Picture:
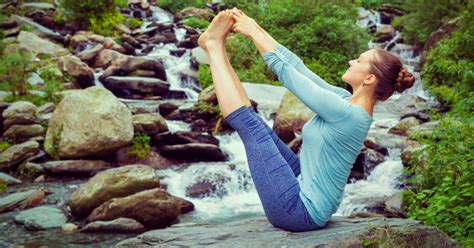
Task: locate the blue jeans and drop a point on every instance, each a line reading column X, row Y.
column 274, row 168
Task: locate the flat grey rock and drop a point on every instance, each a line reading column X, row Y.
column 258, row 232
column 42, row 217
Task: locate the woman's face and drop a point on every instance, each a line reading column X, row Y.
column 358, row 70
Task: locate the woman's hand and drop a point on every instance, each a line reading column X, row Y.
column 244, row 24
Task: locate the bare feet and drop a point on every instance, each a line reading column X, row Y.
column 244, row 24
column 217, row 31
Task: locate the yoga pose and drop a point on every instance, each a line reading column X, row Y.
column 301, row 194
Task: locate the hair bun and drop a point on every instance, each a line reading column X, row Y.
column 404, row 81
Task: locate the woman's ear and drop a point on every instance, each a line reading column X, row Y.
column 370, row 79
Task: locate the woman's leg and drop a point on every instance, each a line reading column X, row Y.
column 291, row 158
column 274, row 179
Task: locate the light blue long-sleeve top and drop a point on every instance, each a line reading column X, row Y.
column 332, row 139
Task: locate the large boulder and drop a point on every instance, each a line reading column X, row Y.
column 154, row 208
column 117, row 182
column 141, row 85
column 404, row 125
column 87, row 123
column 340, row 232
column 107, row 57
column 37, row 45
column 290, row 118
column 74, row 67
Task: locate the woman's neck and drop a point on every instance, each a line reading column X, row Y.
column 364, row 99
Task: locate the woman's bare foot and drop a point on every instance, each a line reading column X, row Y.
column 217, row 30
column 244, row 24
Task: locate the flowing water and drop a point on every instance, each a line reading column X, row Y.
column 235, row 195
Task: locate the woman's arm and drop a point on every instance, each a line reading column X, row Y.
column 266, row 43
column 327, row 104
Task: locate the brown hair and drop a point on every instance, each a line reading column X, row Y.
column 390, row 73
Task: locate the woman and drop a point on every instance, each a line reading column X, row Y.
column 301, row 194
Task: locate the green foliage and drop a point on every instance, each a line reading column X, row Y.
column 204, row 75
column 318, row 35
column 122, row 3
column 196, row 22
column 52, row 83
column 100, row 16
column 449, row 69
column 418, row 23
column 14, row 70
column 4, row 144
column 442, row 187
column 51, row 144
column 27, row 173
column 134, row 22
column 140, row 146
column 176, row 6
column 3, row 186
column 207, row 108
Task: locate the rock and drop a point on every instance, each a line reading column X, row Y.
column 111, row 183
column 177, row 52
column 38, row 6
column 154, row 159
column 7, row 24
column 142, row 85
column 409, row 149
column 20, row 112
column 105, row 125
column 423, row 115
column 385, row 30
column 148, row 31
column 110, row 43
column 374, row 146
column 150, row 124
column 208, row 185
column 38, row 29
column 186, row 206
column 444, row 31
column 188, row 43
column 74, row 67
column 184, row 137
column 373, row 158
column 163, row 37
column 290, row 118
column 11, row 32
column 166, row 108
column 46, row 108
column 9, row 180
column 69, row 227
column 107, row 57
column 208, row 95
column 75, row 167
column 142, row 73
column 119, row 225
column 18, row 153
column 394, row 206
column 200, row 56
column 194, row 151
column 21, row 200
column 39, row 179
column 123, row 28
column 35, row 79
column 132, row 41
column 205, row 14
column 422, row 129
column 340, row 232
column 24, row 132
column 404, row 125
column 90, row 54
column 39, row 218
column 37, row 45
column 154, row 208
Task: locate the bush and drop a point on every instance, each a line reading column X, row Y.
column 14, row 70
column 418, row 23
column 4, row 144
column 140, row 146
column 175, row 6
column 134, row 22
column 100, row 16
column 441, row 188
column 204, row 76
column 196, row 22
